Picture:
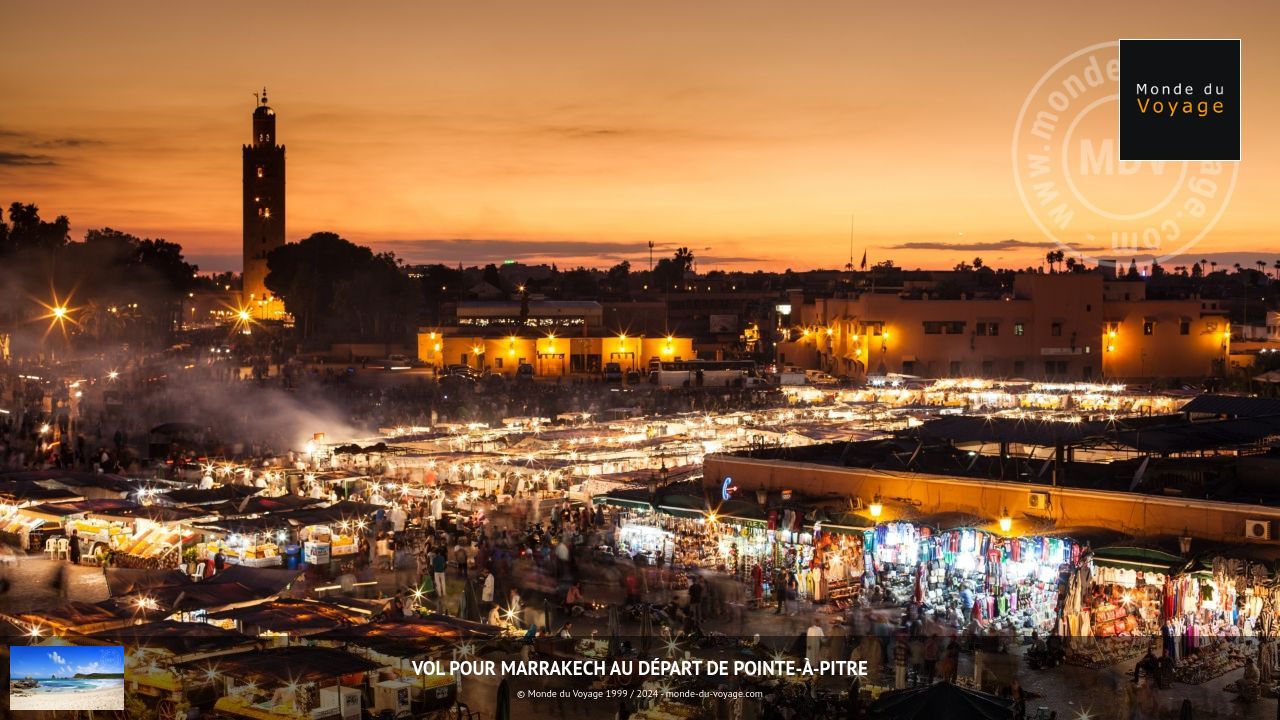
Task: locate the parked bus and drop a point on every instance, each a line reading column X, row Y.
column 705, row 373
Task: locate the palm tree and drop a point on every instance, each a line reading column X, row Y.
column 1262, row 266
column 1277, row 267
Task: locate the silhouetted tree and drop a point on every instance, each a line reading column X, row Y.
column 337, row 289
column 669, row 273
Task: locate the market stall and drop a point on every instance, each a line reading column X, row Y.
column 396, row 643
column 158, row 535
column 293, row 682
column 969, row 574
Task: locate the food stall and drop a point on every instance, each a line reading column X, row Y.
column 24, row 531
column 97, row 533
column 251, row 550
column 326, row 543
column 158, row 534
column 155, row 649
column 393, row 645
column 289, row 682
column 252, row 542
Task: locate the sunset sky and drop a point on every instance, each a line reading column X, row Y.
column 579, row 131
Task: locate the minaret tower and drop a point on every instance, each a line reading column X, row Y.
column 263, row 210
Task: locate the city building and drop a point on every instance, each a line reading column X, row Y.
column 1202, row 472
column 264, row 211
column 549, row 354
column 1059, row 326
column 555, row 337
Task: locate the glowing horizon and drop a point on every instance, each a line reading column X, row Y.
column 577, row 133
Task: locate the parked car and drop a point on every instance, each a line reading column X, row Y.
column 524, row 373
column 463, row 371
column 612, row 372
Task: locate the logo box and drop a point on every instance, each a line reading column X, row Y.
column 1180, row 99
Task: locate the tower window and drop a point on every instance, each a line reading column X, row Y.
column 259, row 171
column 266, row 212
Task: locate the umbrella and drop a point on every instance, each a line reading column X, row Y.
column 503, row 711
column 615, row 645
column 940, row 700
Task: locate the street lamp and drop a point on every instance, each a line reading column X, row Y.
column 876, row 507
column 1006, row 522
column 1184, row 543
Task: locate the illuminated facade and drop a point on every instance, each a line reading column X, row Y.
column 548, row 353
column 264, row 210
column 1072, row 326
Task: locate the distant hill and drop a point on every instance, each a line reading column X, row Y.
column 99, row 676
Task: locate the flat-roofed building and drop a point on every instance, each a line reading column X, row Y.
column 1069, row 326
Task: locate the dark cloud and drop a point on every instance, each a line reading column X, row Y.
column 586, row 132
column 67, row 142
column 980, row 246
column 593, row 253
column 17, row 159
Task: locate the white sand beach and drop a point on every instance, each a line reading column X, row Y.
column 103, row 698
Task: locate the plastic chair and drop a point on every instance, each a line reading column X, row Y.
column 51, row 547
column 64, row 548
column 199, row 573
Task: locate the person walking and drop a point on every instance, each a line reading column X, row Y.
column 486, row 591
column 439, row 564
column 695, row 598
column 813, row 642
column 899, row 663
column 73, row 548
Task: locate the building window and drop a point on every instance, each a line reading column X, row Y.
column 955, row 368
column 987, row 329
column 497, row 362
column 988, row 368
column 908, row 367
column 1056, row 329
column 943, row 327
column 1148, row 328
column 1184, row 327
column 1019, row 368
column 1088, row 307
column 1019, row 329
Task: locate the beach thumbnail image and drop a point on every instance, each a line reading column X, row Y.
column 66, row 677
